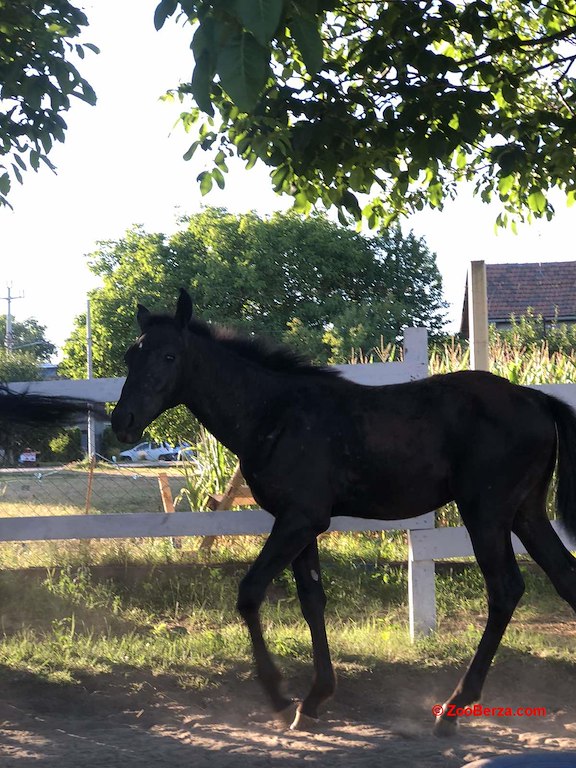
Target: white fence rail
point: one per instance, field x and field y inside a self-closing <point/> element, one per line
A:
<point x="425" y="542"/>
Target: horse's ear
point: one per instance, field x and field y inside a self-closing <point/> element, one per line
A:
<point x="142" y="316"/>
<point x="183" y="309"/>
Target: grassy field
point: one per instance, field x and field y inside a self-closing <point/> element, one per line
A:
<point x="67" y="490"/>
<point x="180" y="618"/>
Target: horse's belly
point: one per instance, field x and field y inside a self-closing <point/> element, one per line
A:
<point x="393" y="498"/>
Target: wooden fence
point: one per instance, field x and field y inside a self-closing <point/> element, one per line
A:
<point x="426" y="543"/>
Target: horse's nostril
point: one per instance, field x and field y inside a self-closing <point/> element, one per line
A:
<point x="130" y="420"/>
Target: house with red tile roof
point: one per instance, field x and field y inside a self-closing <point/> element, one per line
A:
<point x="548" y="288"/>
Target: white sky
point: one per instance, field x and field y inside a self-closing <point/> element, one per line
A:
<point x="122" y="164"/>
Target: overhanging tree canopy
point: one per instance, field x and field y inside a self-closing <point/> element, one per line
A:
<point x="37" y="81"/>
<point x="395" y="100"/>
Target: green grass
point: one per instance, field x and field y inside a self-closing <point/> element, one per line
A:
<point x="64" y="624"/>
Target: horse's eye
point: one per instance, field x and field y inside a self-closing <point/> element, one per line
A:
<point x="170" y="358"/>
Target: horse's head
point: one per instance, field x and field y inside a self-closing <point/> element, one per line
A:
<point x="155" y="364"/>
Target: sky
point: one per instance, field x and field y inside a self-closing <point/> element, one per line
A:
<point x="121" y="164"/>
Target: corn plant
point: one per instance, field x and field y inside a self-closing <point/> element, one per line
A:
<point x="208" y="473"/>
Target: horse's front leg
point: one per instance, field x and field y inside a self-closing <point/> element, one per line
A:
<point x="289" y="536"/>
<point x="306" y="569"/>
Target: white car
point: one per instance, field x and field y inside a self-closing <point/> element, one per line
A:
<point x="150" y="451"/>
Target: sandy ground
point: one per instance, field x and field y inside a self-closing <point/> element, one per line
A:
<point x="376" y="719"/>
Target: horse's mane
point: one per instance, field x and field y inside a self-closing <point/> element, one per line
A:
<point x="274" y="357"/>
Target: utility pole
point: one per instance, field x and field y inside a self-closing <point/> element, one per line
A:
<point x="91" y="425"/>
<point x="9" y="340"/>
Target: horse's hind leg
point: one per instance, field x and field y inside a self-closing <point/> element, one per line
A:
<point x="505" y="586"/>
<point x="542" y="543"/>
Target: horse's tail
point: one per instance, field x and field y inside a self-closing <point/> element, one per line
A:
<point x="565" y="419"/>
<point x="32" y="409"/>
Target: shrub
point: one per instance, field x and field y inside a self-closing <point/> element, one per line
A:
<point x="66" y="446"/>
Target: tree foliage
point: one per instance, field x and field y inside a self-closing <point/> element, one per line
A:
<point x="37" y="81"/>
<point x="395" y="100"/>
<point x="306" y="281"/>
<point x="28" y="336"/>
<point x="18" y="366"/>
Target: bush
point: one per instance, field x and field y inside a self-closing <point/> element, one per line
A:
<point x="66" y="446"/>
<point x="110" y="445"/>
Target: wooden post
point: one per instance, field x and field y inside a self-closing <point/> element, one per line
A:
<point x="478" y="316"/>
<point x="236" y="488"/>
<point x="90" y="483"/>
<point x="167" y="502"/>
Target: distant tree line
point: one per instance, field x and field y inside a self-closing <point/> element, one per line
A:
<point x="307" y="282"/>
<point x="320" y="287"/>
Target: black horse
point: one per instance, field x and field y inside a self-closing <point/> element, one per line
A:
<point x="312" y="445"/>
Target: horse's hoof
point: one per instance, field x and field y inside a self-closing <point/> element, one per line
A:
<point x="285" y="717"/>
<point x="304" y="722"/>
<point x="445" y="728"/>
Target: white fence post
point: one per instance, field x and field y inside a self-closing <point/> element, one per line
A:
<point x="416" y="350"/>
<point x="421" y="591"/>
<point x="421" y="586"/>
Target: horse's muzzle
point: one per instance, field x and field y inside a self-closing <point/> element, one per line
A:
<point x="124" y="427"/>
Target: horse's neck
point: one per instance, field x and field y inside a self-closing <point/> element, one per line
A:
<point x="226" y="392"/>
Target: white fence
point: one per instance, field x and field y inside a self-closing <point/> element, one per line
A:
<point x="425" y="542"/>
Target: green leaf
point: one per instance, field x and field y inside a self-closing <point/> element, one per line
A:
<point x="243" y="67"/>
<point x="260" y="17"/>
<point x="505" y="184"/>
<point x="205" y="180"/>
<point x="220" y="161"/>
<point x="201" y="85"/>
<point x="301" y="203"/>
<point x="163" y="10"/>
<point x="34" y="159"/>
<point x="191" y="150"/>
<point x="537" y="201"/>
<point x="218" y="177"/>
<point x="307" y="38"/>
<point x="88" y="94"/>
<point x="279" y="176"/>
<point x="17" y="172"/>
<point x="204" y="37"/>
<point x="4" y="184"/>
<point x="356" y="178"/>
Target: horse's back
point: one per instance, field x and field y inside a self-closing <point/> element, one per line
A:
<point x="413" y="447"/>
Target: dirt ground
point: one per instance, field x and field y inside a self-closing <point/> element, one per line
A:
<point x="376" y="719"/>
